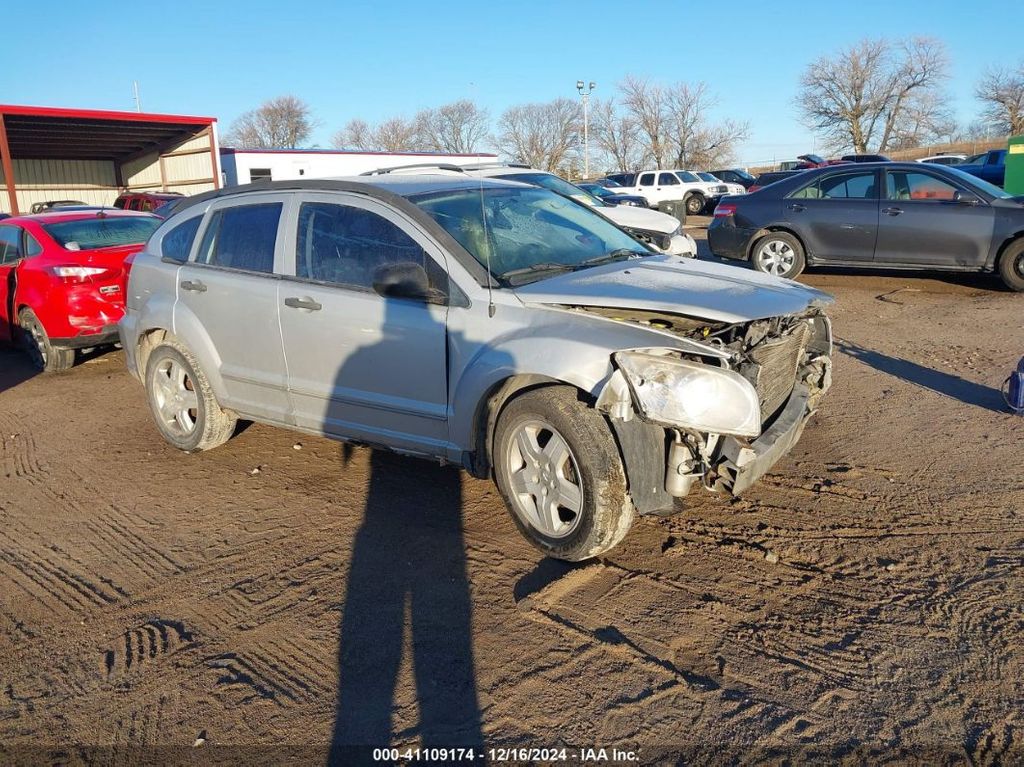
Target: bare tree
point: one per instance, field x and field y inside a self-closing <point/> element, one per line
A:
<point x="356" y="134"/>
<point x="459" y="127"/>
<point x="647" y="105"/>
<point x="284" y="122"/>
<point x="860" y="97"/>
<point x="542" y="135"/>
<point x="616" y="135"/>
<point x="396" y="134"/>
<point x="695" y="142"/>
<point x="1001" y="90"/>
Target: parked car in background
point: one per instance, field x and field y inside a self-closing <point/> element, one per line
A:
<point x="42" y="207"/>
<point x="620" y="179"/>
<point x="147" y="202"/>
<point x="710" y="178"/>
<point x="734" y="176"/>
<point x="660" y="230"/>
<point x="944" y="159"/>
<point x="494" y="325"/>
<point x="810" y="161"/>
<point x="771" y="177"/>
<point x="865" y="158"/>
<point x="62" y="280"/>
<point x="989" y="166"/>
<point x="606" y="182"/>
<point x="611" y="197"/>
<point x="660" y="186"/>
<point x="886" y="215"/>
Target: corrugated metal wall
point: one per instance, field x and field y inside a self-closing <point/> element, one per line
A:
<point x="187" y="168"/>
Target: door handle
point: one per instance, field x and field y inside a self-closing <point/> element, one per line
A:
<point x="303" y="303"/>
<point x="798" y="207"/>
<point x="195" y="286"/>
<point x="892" y="211"/>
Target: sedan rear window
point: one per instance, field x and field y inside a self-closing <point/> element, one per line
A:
<point x="102" y="232"/>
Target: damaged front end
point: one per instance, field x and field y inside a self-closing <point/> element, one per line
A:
<point x="720" y="412"/>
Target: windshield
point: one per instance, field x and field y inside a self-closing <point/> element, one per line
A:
<point x="990" y="189"/>
<point x="597" y="191"/>
<point x="532" y="232"/>
<point x="555" y="184"/>
<point x="685" y="175"/>
<point x="102" y="232"/>
<point x="708" y="177"/>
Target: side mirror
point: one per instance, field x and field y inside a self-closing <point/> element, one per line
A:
<point x="966" y="198"/>
<point x="406" y="280"/>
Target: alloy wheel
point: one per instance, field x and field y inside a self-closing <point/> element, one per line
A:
<point x="547" y="490"/>
<point x="175" y="396"/>
<point x="776" y="257"/>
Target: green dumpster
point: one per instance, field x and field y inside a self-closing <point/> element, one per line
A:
<point x="1014" y="183"/>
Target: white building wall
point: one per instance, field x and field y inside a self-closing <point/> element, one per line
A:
<point x="288" y="166"/>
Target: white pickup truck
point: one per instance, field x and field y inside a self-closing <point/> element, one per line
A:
<point x="664" y="185"/>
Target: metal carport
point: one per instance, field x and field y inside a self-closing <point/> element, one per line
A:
<point x="91" y="155"/>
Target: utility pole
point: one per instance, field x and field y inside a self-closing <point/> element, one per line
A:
<point x="135" y="90"/>
<point x="585" y="95"/>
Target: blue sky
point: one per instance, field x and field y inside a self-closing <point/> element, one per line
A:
<point x="376" y="59"/>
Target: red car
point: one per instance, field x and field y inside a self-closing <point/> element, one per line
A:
<point x="63" y="278"/>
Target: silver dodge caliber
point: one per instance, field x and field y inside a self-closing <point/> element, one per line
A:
<point x="486" y="323"/>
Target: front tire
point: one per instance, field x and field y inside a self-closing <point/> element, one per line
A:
<point x="694" y="204"/>
<point x="558" y="468"/>
<point x="779" y="254"/>
<point x="36" y="344"/>
<point x="183" y="405"/>
<point x="1011" y="265"/>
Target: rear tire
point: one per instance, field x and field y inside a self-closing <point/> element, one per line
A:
<point x="694" y="203"/>
<point x="1011" y="265"/>
<point x="33" y="340"/>
<point x="186" y="412"/>
<point x="558" y="468"/>
<point x="779" y="254"/>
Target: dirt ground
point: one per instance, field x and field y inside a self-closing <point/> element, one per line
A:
<point x="863" y="601"/>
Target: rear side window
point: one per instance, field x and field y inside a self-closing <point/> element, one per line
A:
<point x="10" y="244"/>
<point x="346" y="245"/>
<point x="177" y="243"/>
<point x="908" y="185"/>
<point x="242" y="237"/>
<point x="844" y="186"/>
<point x="646" y="179"/>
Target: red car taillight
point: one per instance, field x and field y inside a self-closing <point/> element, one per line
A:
<point x="725" y="209"/>
<point x="77" y="275"/>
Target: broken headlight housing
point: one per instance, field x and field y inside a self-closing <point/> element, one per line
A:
<point x="683" y="394"/>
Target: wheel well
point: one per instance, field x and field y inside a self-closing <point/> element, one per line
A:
<point x="148" y="341"/>
<point x="490" y="407"/>
<point x="768" y="230"/>
<point x="1014" y="238"/>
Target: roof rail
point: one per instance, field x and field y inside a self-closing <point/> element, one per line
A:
<point x="393" y="168"/>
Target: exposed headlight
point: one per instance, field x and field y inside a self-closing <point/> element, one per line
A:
<point x="674" y="392"/>
<point x="630" y="203"/>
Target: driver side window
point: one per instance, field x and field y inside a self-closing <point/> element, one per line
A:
<point x="346" y="245"/>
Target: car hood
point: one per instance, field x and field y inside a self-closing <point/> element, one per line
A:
<point x="701" y="289"/>
<point x="641" y="218"/>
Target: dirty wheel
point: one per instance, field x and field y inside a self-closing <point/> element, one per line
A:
<point x="695" y="204"/>
<point x="558" y="468"/>
<point x="183" y="405"/>
<point x="1011" y="265"/>
<point x="33" y="340"/>
<point x="779" y="254"/>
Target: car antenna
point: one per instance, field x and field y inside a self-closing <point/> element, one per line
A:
<point x="487" y="252"/>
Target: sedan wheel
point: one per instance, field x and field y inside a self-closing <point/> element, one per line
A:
<point x="778" y="254"/>
<point x="544" y="474"/>
<point x="36" y="344"/>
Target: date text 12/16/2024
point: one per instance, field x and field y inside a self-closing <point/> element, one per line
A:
<point x="511" y="754"/>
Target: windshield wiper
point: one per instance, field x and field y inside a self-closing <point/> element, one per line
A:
<point x="547" y="266"/>
<point x="620" y="254"/>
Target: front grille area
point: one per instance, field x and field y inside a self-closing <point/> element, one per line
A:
<point x="773" y="367"/>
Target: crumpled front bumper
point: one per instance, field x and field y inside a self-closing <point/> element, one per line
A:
<point x="741" y="465"/>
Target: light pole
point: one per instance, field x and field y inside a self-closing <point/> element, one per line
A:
<point x="585" y="95"/>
